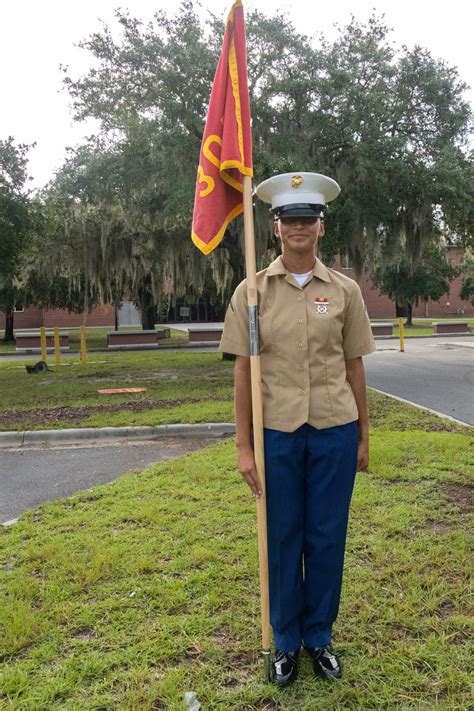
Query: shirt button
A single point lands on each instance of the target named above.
(300, 298)
(300, 320)
(300, 344)
(303, 392)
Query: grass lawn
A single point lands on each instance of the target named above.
(97, 338)
(127, 595)
(181, 387)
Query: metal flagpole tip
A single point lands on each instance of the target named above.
(267, 665)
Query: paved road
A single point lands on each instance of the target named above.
(29, 477)
(435, 373)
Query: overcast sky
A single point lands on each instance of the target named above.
(36, 36)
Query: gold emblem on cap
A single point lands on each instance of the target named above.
(296, 181)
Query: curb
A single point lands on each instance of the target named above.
(441, 415)
(91, 434)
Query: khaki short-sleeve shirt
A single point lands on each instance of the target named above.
(306, 335)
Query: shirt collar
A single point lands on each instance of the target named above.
(319, 270)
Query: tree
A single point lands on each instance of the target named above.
(430, 279)
(390, 126)
(15, 227)
(56, 292)
(110, 225)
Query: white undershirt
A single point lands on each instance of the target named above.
(302, 278)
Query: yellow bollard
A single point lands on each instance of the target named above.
(57, 348)
(83, 353)
(402, 340)
(43, 343)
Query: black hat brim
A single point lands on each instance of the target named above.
(299, 209)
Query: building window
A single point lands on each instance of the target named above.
(19, 309)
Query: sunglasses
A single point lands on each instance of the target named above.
(301, 220)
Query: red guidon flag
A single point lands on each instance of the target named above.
(226, 149)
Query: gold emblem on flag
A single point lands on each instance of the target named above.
(296, 181)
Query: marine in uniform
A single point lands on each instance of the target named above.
(314, 330)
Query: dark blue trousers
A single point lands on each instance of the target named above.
(309, 478)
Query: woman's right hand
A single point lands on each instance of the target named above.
(248, 469)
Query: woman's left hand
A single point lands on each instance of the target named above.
(363, 456)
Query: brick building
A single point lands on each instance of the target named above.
(33, 317)
(448, 306)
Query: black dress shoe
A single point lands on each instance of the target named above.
(284, 667)
(325, 662)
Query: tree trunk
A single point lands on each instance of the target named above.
(400, 311)
(409, 321)
(146, 304)
(148, 309)
(236, 262)
(148, 316)
(9, 318)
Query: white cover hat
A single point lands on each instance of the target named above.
(298, 194)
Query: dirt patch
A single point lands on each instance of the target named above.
(77, 414)
(446, 609)
(435, 526)
(398, 632)
(460, 495)
(83, 633)
(222, 639)
(265, 705)
(239, 676)
(157, 705)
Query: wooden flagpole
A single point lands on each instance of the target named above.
(257, 415)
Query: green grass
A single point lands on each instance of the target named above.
(181, 387)
(127, 595)
(422, 327)
(97, 338)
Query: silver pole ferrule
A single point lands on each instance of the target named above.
(267, 665)
(253, 330)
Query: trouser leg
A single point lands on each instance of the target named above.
(331, 460)
(284, 465)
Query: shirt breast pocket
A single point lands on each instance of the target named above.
(322, 322)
